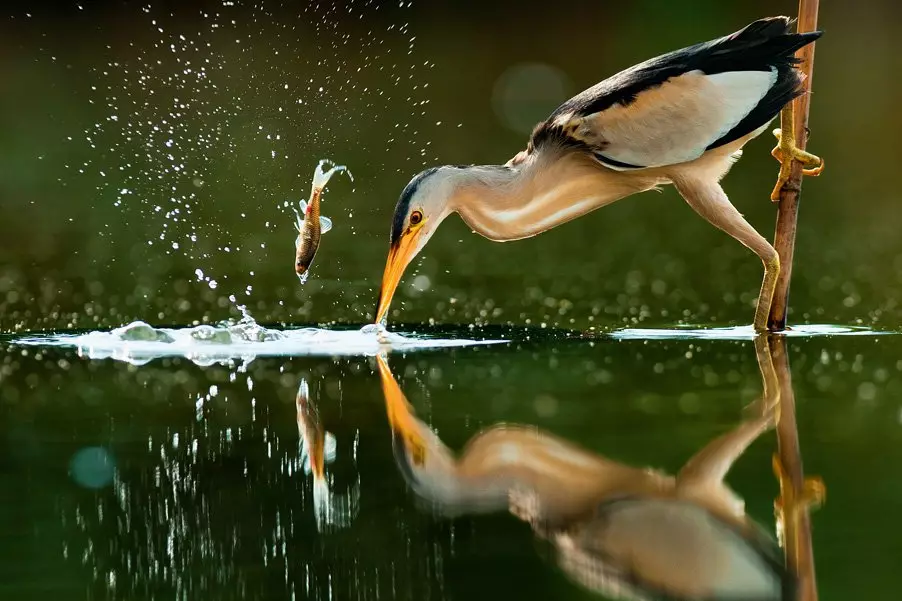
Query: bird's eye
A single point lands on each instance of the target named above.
(416, 217)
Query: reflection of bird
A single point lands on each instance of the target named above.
(680, 118)
(618, 529)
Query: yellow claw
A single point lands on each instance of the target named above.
(812, 165)
(812, 495)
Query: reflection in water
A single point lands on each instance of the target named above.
(217, 503)
(318, 447)
(618, 530)
(92, 467)
(797, 493)
(741, 332)
(240, 493)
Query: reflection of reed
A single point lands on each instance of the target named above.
(796, 492)
(619, 530)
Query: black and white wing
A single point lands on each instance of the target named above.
(673, 108)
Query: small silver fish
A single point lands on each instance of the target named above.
(312, 225)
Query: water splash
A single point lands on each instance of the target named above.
(249, 83)
(740, 332)
(139, 343)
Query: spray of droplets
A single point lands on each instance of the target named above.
(227, 100)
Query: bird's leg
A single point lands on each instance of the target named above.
(709, 200)
(768, 287)
(710, 465)
(786, 151)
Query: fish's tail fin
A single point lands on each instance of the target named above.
(321, 178)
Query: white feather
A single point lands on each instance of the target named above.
(740, 92)
(676, 121)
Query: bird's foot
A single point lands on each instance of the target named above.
(811, 496)
(790, 504)
(812, 165)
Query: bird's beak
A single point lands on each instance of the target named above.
(400, 416)
(395, 402)
(399, 255)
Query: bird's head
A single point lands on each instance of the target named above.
(424, 204)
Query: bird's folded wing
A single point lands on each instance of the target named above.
(672, 122)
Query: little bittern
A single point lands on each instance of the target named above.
(680, 119)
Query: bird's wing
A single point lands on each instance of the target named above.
(673, 108)
(672, 122)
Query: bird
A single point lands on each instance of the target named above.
(681, 118)
(616, 528)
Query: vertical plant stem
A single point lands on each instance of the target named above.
(794, 489)
(788, 208)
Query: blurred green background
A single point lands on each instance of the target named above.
(148, 150)
(128, 128)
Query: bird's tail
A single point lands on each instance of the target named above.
(770, 40)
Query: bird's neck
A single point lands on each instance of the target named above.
(509, 203)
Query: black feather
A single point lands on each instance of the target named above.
(763, 45)
(403, 206)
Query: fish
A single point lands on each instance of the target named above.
(312, 225)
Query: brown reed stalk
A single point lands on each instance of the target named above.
(788, 208)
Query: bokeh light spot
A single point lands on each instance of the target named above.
(526, 93)
(92, 467)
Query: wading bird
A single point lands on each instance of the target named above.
(681, 118)
(624, 531)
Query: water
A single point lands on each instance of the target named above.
(138, 342)
(171, 478)
(740, 332)
(153, 340)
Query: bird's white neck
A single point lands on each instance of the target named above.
(510, 203)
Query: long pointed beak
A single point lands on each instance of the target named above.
(399, 255)
(400, 414)
(396, 404)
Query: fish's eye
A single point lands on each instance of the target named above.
(416, 217)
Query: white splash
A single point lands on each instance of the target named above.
(739, 332)
(139, 343)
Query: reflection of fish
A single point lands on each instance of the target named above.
(313, 436)
(312, 226)
(619, 530)
(318, 448)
